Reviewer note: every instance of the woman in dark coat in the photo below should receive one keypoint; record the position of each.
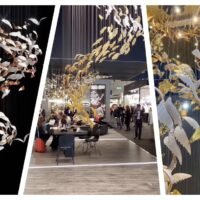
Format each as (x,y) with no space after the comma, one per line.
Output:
(127,118)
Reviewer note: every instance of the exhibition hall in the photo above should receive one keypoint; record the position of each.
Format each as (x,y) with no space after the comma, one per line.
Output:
(95,120)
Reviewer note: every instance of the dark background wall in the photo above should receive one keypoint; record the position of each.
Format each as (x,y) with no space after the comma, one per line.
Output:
(19,106)
(191,164)
(79,26)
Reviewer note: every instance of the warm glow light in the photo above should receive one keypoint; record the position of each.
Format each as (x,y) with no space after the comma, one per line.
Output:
(185,105)
(177,56)
(177,9)
(57,101)
(180,35)
(195,19)
(196,44)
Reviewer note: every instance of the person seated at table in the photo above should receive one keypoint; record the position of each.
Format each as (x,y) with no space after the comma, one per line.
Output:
(62,124)
(41,129)
(53,120)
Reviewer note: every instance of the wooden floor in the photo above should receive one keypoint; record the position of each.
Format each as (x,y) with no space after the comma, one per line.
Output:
(122,168)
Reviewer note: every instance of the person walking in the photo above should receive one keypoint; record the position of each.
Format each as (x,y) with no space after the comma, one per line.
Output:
(139,113)
(127,118)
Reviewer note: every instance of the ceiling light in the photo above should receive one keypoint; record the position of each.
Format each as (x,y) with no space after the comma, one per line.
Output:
(177,9)
(180,35)
(185,105)
(195,19)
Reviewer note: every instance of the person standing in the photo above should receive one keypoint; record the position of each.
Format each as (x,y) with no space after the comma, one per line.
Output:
(117,117)
(127,118)
(139,113)
(121,114)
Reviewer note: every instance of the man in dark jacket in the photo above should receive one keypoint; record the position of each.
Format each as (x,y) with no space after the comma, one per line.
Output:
(139,114)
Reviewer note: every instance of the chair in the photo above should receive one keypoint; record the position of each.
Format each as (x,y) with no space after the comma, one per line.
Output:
(92,141)
(84,137)
(66,145)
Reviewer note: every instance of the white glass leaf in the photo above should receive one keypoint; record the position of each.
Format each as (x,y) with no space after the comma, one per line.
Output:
(168,175)
(5,21)
(6,48)
(9,41)
(1,148)
(192,122)
(35,21)
(2,116)
(5,64)
(173,112)
(172,145)
(181,136)
(186,79)
(15,76)
(5,93)
(163,115)
(181,177)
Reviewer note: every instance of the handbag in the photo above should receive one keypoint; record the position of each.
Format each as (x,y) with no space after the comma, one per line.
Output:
(39,144)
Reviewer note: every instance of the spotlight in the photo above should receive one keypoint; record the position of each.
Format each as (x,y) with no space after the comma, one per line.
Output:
(177,9)
(185,105)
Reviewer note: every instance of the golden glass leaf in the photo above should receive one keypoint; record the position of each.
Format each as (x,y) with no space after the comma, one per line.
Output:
(165,87)
(120,38)
(124,47)
(112,45)
(183,113)
(187,96)
(113,34)
(114,48)
(106,46)
(163,129)
(102,59)
(196,108)
(101,17)
(111,54)
(103,30)
(124,33)
(116,56)
(196,136)
(134,41)
(175,192)
(97,41)
(139,33)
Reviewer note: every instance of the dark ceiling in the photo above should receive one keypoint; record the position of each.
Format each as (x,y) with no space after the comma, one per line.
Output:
(121,70)
(77,29)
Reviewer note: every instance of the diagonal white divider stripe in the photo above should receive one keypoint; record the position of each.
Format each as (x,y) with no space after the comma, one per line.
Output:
(94,165)
(153,100)
(39,99)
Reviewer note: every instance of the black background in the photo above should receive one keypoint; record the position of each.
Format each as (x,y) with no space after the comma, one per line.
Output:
(19,106)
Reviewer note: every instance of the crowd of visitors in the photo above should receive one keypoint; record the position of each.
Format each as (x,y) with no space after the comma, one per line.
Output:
(59,119)
(125,115)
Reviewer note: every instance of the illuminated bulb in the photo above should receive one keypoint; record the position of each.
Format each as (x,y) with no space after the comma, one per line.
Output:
(185,105)
(177,56)
(177,9)
(180,34)
(196,44)
(150,27)
(195,19)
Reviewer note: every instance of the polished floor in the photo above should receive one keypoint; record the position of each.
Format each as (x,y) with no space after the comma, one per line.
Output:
(121,168)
